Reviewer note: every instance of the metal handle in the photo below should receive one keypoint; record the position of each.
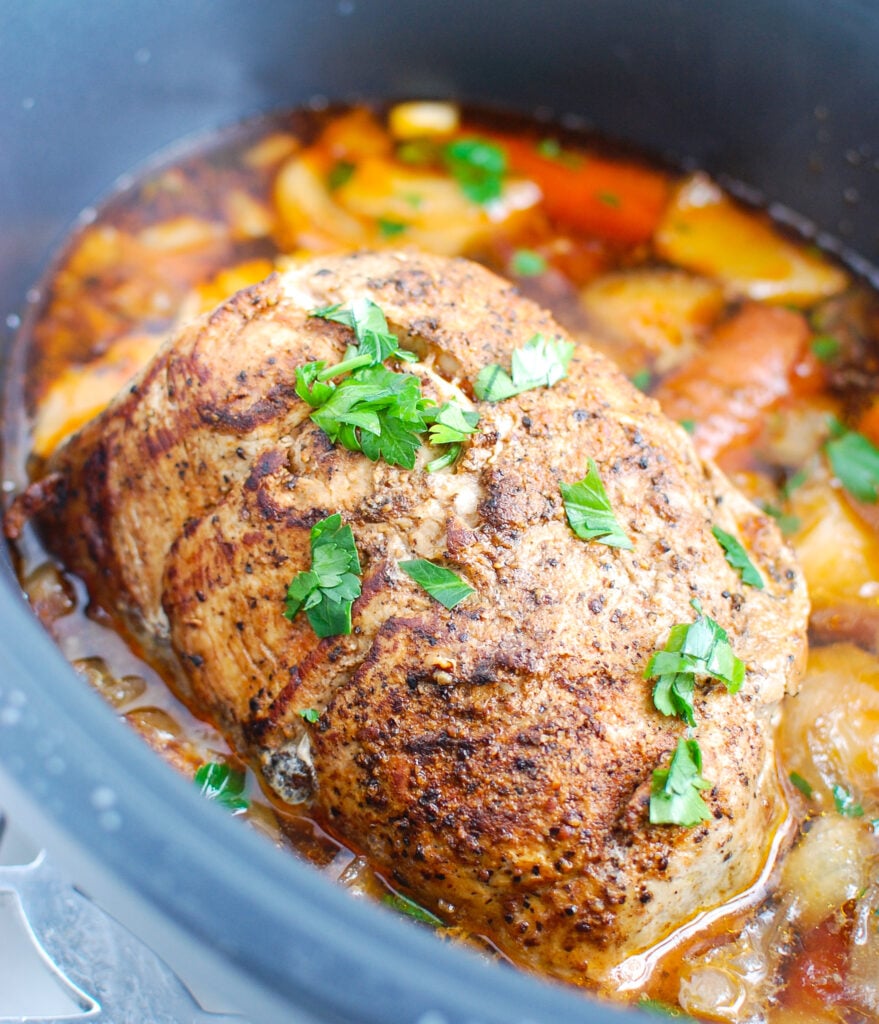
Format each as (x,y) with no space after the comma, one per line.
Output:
(114,977)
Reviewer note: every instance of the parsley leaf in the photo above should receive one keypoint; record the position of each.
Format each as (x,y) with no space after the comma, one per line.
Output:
(528,263)
(642,379)
(478,167)
(660,1009)
(224,784)
(855,460)
(788,524)
(589,513)
(539,363)
(825,347)
(674,792)
(340,173)
(375,339)
(388,228)
(845,803)
(450,425)
(328,590)
(373,409)
(700,648)
(442,584)
(803,785)
(412,909)
(311,715)
(738,558)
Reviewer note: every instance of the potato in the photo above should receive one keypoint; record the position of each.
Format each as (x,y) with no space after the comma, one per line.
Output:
(830,730)
(665,311)
(838,553)
(704,231)
(829,866)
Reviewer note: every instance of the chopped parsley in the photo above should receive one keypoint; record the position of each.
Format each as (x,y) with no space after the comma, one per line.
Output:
(449,425)
(327,591)
(340,173)
(311,715)
(700,648)
(660,1009)
(787,523)
(609,199)
(442,584)
(539,363)
(477,166)
(552,149)
(674,791)
(825,347)
(845,803)
(373,409)
(528,263)
(388,228)
(855,461)
(793,482)
(219,782)
(589,512)
(803,785)
(642,379)
(410,908)
(738,558)
(688,425)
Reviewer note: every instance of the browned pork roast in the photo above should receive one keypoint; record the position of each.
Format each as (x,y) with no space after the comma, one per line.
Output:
(497,757)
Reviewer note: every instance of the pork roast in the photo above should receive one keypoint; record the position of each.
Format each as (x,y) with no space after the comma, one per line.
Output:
(495,758)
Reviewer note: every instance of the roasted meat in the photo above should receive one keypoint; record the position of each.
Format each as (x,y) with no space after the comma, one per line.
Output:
(495,758)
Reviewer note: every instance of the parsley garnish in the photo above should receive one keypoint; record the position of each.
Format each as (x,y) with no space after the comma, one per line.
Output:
(390,228)
(793,482)
(375,410)
(340,173)
(609,199)
(539,363)
(449,425)
(825,347)
(311,715)
(803,785)
(375,340)
(477,166)
(688,425)
(442,584)
(589,513)
(855,460)
(845,803)
(738,558)
(528,263)
(700,648)
(551,149)
(788,524)
(661,1009)
(642,379)
(327,591)
(412,909)
(674,792)
(224,784)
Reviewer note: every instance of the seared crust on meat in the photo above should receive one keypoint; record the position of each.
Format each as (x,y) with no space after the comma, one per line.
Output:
(496,757)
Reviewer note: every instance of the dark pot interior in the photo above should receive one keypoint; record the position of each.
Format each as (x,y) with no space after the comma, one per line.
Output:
(771,95)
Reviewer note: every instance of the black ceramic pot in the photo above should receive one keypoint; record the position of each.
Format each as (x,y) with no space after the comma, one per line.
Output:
(776,94)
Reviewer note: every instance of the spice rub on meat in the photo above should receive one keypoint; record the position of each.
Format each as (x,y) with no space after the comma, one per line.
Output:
(495,758)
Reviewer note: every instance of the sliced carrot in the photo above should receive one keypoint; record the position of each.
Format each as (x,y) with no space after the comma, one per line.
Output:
(747,366)
(617,200)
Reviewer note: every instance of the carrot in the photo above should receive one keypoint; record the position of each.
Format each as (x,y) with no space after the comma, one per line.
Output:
(616,200)
(747,366)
